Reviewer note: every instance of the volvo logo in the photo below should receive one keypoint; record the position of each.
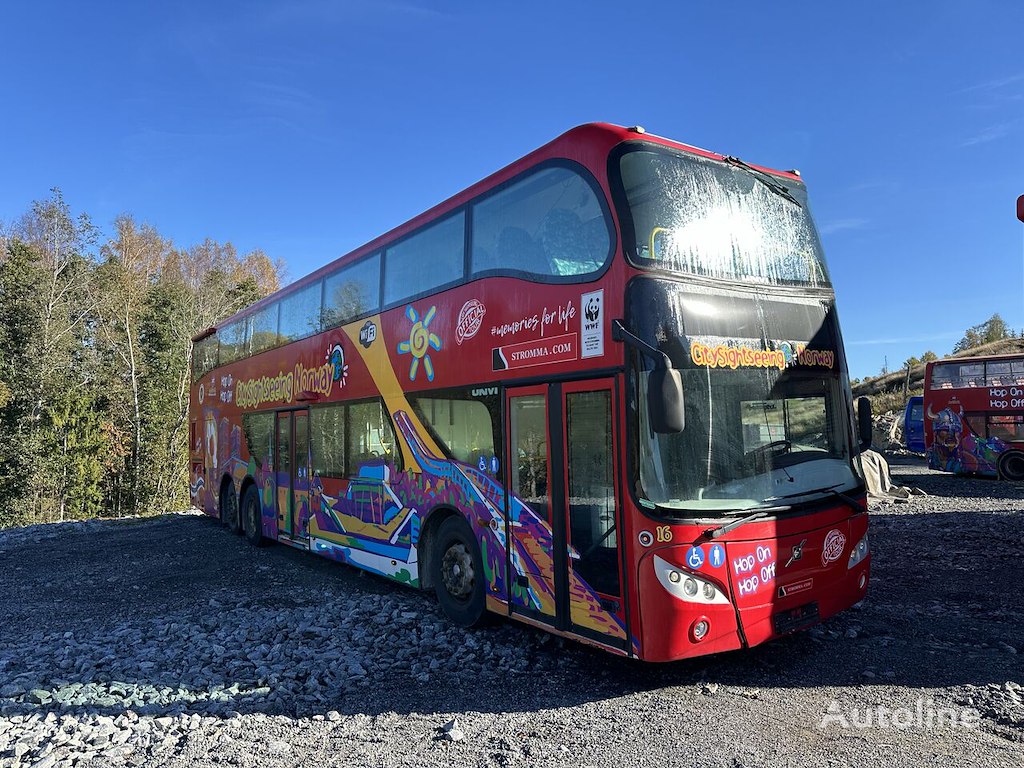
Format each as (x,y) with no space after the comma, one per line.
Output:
(798,552)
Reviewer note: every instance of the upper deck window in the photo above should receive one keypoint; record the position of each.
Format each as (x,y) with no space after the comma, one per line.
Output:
(264,328)
(300,313)
(352,291)
(967,374)
(234,340)
(1004,373)
(431,258)
(550,223)
(703,217)
(204,356)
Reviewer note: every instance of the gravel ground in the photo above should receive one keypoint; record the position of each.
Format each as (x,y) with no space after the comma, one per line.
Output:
(168,641)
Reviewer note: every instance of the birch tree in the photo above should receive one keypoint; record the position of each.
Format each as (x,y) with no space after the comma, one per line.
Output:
(133,260)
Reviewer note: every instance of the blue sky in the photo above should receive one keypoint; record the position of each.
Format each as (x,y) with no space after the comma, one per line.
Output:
(307,128)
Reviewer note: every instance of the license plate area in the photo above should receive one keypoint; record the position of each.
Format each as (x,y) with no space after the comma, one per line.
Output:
(794,619)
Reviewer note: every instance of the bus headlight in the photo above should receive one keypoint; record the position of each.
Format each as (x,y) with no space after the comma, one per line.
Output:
(700,628)
(859,552)
(686,586)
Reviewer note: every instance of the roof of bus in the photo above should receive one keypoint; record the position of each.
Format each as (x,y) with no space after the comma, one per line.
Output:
(588,141)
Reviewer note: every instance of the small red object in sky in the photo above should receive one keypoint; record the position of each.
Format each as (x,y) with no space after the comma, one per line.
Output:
(1020,207)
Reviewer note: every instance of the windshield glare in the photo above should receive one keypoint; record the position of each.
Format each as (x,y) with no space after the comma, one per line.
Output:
(752,438)
(702,217)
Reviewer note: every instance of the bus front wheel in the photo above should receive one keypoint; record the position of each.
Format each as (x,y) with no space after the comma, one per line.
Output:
(458,573)
(252,517)
(1011,466)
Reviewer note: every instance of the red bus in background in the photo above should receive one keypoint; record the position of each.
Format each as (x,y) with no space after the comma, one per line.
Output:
(602,392)
(974,415)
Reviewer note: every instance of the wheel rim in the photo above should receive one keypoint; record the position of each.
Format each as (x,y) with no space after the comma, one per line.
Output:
(457,571)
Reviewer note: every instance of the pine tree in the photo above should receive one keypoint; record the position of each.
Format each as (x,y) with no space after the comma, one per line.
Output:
(20,307)
(73,429)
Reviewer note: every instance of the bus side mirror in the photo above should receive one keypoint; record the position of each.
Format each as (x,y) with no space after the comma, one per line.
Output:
(864,422)
(665,400)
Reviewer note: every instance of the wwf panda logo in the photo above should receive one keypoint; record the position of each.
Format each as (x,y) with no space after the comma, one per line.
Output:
(593,308)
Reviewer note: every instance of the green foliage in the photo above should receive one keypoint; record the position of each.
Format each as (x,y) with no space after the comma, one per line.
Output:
(74,431)
(94,361)
(993,329)
(20,315)
(163,396)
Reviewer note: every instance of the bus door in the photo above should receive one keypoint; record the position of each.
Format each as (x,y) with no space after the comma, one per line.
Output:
(531,525)
(293,475)
(562,447)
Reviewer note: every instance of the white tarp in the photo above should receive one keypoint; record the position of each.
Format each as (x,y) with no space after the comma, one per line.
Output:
(879,481)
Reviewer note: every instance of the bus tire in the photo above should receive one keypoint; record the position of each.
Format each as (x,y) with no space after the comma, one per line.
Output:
(229,507)
(252,517)
(1011,466)
(458,573)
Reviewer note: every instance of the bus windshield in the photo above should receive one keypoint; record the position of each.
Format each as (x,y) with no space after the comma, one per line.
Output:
(752,438)
(697,216)
(767,413)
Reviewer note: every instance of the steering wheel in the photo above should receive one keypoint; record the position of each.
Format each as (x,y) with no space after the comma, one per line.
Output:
(769,450)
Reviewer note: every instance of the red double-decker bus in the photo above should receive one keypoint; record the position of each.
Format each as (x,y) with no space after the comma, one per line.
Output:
(974,415)
(602,392)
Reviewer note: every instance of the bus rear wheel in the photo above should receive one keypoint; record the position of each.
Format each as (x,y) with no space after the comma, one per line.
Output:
(252,517)
(459,573)
(229,508)
(1011,466)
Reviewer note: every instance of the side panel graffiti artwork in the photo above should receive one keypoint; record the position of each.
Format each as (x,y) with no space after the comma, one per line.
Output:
(956,447)
(371,508)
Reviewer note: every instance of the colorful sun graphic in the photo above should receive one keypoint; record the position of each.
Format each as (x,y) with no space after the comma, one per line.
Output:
(420,341)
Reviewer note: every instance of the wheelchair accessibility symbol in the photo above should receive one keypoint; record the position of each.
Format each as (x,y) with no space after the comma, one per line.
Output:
(695,557)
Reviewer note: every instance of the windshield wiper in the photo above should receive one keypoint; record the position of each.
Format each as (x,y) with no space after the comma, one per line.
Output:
(849,500)
(831,490)
(756,514)
(765,178)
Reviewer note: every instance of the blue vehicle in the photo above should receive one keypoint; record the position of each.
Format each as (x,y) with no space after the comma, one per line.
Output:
(913,424)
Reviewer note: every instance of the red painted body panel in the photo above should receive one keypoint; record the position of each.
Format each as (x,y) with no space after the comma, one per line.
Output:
(759,579)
